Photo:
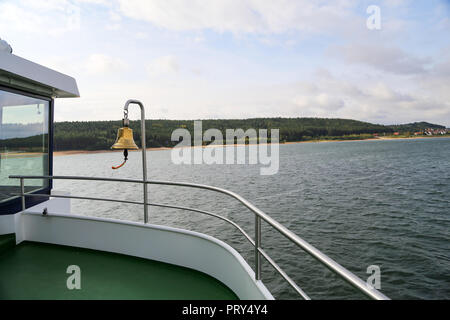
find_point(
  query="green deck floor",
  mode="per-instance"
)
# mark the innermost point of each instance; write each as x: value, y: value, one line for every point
x: 34, y: 270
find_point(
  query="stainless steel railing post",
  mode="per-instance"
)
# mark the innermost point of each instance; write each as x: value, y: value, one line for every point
x: 144, y: 153
x: 22, y: 192
x: 257, y: 247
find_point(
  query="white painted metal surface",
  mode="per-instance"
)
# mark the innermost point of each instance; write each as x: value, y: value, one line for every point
x: 166, y: 244
x: 7, y: 224
x: 23, y: 74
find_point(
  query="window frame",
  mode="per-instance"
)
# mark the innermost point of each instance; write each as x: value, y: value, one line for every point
x: 14, y: 205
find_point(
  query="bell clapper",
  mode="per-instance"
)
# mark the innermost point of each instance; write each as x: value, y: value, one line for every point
x: 125, y: 155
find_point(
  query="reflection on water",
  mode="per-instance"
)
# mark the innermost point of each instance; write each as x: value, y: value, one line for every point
x: 362, y: 203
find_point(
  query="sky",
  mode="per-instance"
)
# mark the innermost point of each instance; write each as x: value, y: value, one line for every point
x: 203, y: 59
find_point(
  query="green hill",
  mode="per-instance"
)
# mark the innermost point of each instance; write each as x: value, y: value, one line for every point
x: 415, y: 127
x: 100, y: 135
x: 97, y: 135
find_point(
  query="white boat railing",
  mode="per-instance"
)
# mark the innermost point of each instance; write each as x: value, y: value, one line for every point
x: 256, y: 243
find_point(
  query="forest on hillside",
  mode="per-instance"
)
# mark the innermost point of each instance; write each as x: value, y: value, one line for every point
x: 97, y: 135
x: 100, y: 135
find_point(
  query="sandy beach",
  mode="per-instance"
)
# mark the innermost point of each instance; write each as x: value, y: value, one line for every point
x: 71, y: 152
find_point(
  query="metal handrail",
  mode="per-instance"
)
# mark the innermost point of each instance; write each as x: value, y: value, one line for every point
x: 143, y: 147
x: 264, y: 254
x: 308, y: 248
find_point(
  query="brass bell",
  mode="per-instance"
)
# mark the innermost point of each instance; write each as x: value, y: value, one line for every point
x: 124, y: 140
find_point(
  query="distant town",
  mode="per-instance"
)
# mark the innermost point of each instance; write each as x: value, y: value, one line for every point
x: 432, y: 132
x: 428, y: 132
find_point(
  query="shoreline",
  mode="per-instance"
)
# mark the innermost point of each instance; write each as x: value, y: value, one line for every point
x: 73, y: 152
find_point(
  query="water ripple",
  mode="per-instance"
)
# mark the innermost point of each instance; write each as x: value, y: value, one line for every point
x: 362, y: 203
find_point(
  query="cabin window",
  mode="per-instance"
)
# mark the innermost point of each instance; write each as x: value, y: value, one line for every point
x: 24, y: 142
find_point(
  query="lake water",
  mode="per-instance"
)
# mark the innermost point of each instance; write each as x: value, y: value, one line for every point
x: 384, y: 203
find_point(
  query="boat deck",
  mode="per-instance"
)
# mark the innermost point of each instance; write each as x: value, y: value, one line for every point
x: 33, y: 270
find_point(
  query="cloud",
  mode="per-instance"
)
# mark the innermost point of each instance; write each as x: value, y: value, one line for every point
x: 141, y: 35
x: 318, y: 105
x: 395, y: 3
x: 379, y: 102
x: 199, y: 39
x: 388, y: 59
x: 163, y: 66
x: 382, y: 92
x: 113, y: 26
x: 96, y: 2
x: 265, y: 66
x: 101, y: 64
x: 50, y: 17
x: 324, y: 94
x: 242, y: 16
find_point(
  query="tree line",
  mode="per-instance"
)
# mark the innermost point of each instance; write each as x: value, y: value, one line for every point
x: 100, y: 135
